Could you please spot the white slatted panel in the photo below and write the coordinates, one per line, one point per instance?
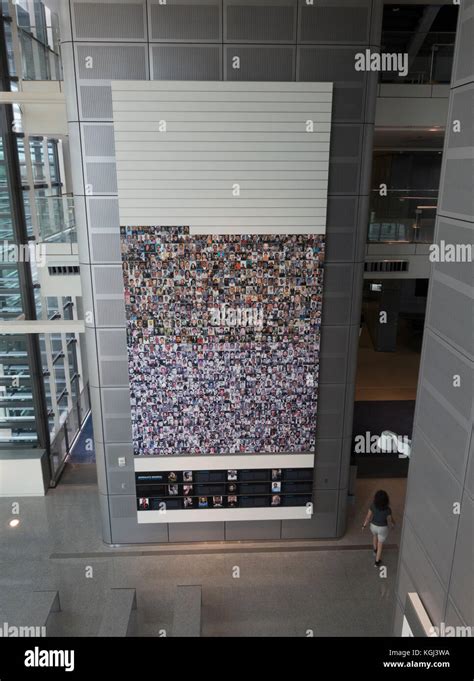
(216, 463)
(219, 134)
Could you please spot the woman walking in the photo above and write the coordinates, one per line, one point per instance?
(379, 516)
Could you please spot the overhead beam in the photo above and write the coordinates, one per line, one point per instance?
(429, 15)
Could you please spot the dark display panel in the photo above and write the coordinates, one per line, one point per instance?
(247, 488)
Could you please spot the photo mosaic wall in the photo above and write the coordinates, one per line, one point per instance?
(223, 340)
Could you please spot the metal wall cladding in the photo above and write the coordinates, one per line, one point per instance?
(103, 213)
(109, 20)
(186, 20)
(334, 22)
(106, 61)
(101, 177)
(98, 140)
(266, 62)
(186, 62)
(95, 101)
(260, 21)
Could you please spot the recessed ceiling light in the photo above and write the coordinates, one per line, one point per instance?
(14, 522)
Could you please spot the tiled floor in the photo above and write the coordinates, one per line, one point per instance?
(284, 588)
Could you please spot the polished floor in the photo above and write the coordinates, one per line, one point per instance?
(293, 588)
(288, 588)
(387, 375)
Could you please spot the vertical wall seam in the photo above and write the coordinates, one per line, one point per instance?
(86, 218)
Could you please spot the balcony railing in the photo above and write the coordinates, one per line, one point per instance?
(37, 29)
(56, 221)
(433, 63)
(39, 61)
(403, 215)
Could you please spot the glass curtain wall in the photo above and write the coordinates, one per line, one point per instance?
(20, 395)
(42, 405)
(17, 413)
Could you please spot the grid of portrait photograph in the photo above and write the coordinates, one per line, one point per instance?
(248, 488)
(201, 387)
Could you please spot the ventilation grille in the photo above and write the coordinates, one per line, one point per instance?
(61, 270)
(386, 266)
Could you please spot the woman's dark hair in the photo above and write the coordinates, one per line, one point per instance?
(381, 500)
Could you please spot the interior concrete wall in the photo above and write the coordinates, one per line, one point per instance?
(436, 556)
(278, 40)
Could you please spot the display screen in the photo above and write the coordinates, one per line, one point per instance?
(223, 342)
(182, 490)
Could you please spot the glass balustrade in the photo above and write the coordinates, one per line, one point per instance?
(403, 215)
(56, 220)
(432, 63)
(38, 38)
